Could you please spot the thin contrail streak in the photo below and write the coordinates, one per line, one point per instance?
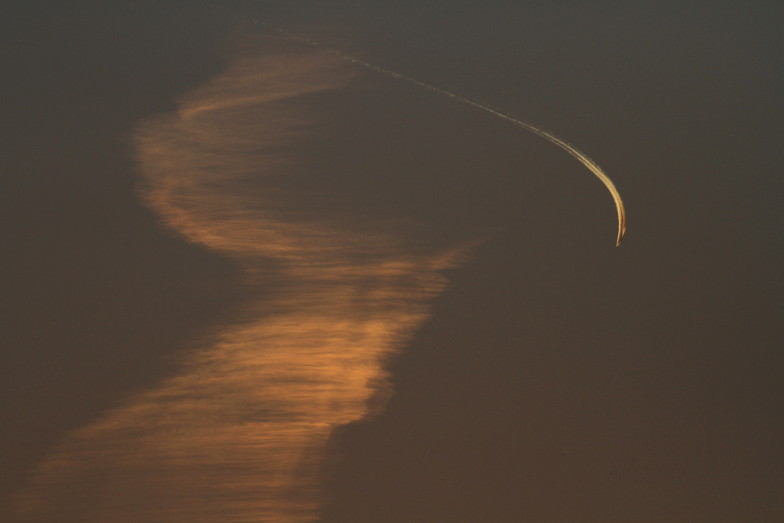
(579, 156)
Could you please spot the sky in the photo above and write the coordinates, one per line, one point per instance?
(257, 270)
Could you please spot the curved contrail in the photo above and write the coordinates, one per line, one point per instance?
(579, 156)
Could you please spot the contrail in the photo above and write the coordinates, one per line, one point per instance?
(579, 156)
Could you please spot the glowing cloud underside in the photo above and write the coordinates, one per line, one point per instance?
(239, 434)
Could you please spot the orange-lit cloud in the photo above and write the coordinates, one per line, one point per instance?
(239, 434)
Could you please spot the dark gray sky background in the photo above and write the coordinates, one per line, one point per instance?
(96, 298)
(557, 378)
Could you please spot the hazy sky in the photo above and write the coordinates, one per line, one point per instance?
(248, 279)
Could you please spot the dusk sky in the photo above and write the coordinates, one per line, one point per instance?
(355, 262)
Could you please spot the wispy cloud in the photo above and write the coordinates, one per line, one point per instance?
(239, 434)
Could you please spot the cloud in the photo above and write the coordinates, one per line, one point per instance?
(239, 434)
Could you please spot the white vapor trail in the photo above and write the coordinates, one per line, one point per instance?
(578, 155)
